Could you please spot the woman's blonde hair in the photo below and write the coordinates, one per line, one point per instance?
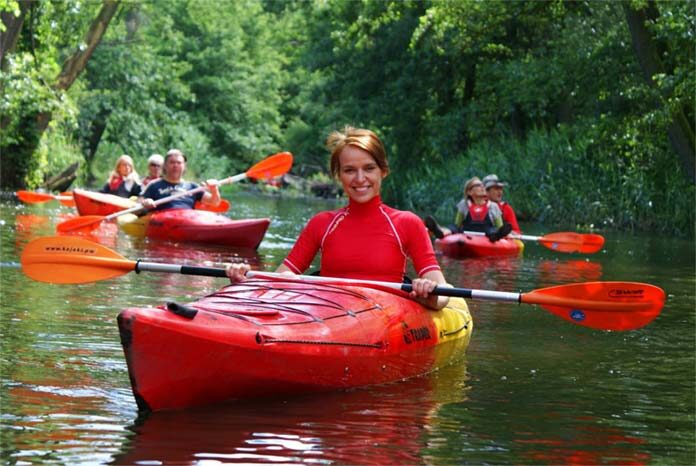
(132, 176)
(358, 137)
(470, 183)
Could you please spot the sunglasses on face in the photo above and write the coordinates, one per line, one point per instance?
(155, 165)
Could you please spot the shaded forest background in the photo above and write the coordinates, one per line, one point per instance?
(585, 107)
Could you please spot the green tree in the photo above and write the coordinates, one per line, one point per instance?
(29, 104)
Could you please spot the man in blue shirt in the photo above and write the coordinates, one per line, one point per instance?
(172, 183)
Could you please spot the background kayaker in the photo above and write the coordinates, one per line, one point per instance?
(123, 180)
(366, 239)
(474, 213)
(172, 182)
(494, 190)
(154, 168)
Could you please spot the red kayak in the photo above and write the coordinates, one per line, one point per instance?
(275, 338)
(197, 225)
(93, 203)
(460, 245)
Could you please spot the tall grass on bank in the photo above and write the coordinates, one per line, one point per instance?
(562, 181)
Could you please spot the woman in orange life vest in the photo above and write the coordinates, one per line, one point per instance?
(494, 190)
(474, 213)
(366, 239)
(123, 180)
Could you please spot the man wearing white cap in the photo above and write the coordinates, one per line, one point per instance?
(494, 190)
(154, 168)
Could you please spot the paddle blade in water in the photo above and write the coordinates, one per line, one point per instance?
(573, 242)
(32, 197)
(66, 198)
(270, 167)
(601, 305)
(222, 207)
(64, 259)
(84, 224)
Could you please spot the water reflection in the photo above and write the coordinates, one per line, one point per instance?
(560, 271)
(382, 425)
(484, 272)
(585, 441)
(31, 226)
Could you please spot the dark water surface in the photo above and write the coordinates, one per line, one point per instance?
(534, 389)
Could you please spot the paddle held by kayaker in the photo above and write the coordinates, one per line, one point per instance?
(172, 182)
(123, 180)
(474, 213)
(154, 168)
(494, 191)
(365, 240)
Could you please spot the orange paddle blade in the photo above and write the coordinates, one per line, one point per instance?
(66, 198)
(270, 167)
(601, 305)
(64, 259)
(222, 207)
(573, 242)
(84, 224)
(32, 197)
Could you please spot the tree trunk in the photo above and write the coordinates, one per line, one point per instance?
(97, 129)
(13, 26)
(680, 132)
(73, 66)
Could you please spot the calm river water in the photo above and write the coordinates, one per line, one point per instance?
(534, 389)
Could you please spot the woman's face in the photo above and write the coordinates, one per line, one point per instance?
(359, 174)
(124, 168)
(154, 169)
(477, 191)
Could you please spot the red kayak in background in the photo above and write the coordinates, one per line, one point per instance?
(461, 245)
(274, 338)
(196, 225)
(94, 203)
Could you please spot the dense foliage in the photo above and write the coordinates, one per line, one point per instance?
(577, 104)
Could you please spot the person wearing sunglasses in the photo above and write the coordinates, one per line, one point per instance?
(154, 168)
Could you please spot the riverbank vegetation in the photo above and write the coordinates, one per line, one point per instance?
(585, 107)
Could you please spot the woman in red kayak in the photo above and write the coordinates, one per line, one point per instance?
(474, 213)
(123, 180)
(366, 239)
